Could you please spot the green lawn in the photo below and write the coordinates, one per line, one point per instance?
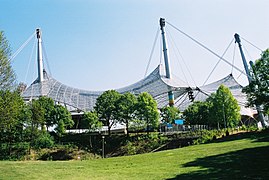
(244, 158)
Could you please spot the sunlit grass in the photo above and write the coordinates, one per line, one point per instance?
(193, 162)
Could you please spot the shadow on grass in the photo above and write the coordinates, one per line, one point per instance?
(252, 163)
(262, 136)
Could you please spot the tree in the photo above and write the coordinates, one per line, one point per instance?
(198, 113)
(147, 111)
(21, 87)
(258, 89)
(37, 120)
(46, 113)
(62, 118)
(105, 108)
(50, 113)
(13, 116)
(126, 109)
(91, 118)
(169, 114)
(225, 110)
(7, 75)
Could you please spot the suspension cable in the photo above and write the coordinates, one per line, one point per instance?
(29, 62)
(152, 50)
(248, 56)
(245, 49)
(211, 51)
(46, 57)
(218, 61)
(161, 52)
(181, 97)
(173, 44)
(21, 47)
(251, 44)
(233, 57)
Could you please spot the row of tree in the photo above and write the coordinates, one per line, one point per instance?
(112, 107)
(21, 122)
(220, 110)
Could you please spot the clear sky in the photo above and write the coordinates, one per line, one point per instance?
(106, 44)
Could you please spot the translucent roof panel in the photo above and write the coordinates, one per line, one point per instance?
(155, 84)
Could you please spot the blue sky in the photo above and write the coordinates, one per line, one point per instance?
(106, 44)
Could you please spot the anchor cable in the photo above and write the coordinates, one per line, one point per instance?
(21, 47)
(211, 51)
(152, 50)
(251, 44)
(46, 57)
(30, 59)
(174, 44)
(218, 62)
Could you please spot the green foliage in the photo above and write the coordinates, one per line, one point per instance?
(14, 151)
(92, 121)
(126, 107)
(45, 112)
(7, 75)
(225, 110)
(129, 148)
(258, 90)
(198, 113)
(208, 135)
(143, 144)
(242, 158)
(38, 115)
(169, 114)
(137, 125)
(64, 152)
(105, 107)
(14, 115)
(62, 118)
(147, 111)
(60, 128)
(220, 110)
(44, 140)
(47, 105)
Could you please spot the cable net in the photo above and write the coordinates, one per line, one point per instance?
(155, 84)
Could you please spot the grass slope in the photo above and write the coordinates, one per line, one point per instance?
(244, 157)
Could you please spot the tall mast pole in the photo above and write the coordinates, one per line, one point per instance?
(39, 55)
(166, 61)
(258, 107)
(238, 41)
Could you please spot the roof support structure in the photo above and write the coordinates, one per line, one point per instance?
(166, 61)
(39, 56)
(258, 107)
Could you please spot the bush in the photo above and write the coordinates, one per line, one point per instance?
(252, 128)
(209, 135)
(64, 152)
(16, 151)
(142, 144)
(44, 140)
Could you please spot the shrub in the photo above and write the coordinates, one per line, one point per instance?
(65, 152)
(142, 144)
(209, 135)
(44, 140)
(16, 151)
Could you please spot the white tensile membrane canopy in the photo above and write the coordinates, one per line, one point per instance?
(155, 84)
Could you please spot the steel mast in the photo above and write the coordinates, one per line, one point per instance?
(39, 56)
(166, 61)
(258, 107)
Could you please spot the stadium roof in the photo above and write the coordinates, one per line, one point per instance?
(155, 84)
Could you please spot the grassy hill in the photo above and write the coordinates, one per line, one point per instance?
(236, 157)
